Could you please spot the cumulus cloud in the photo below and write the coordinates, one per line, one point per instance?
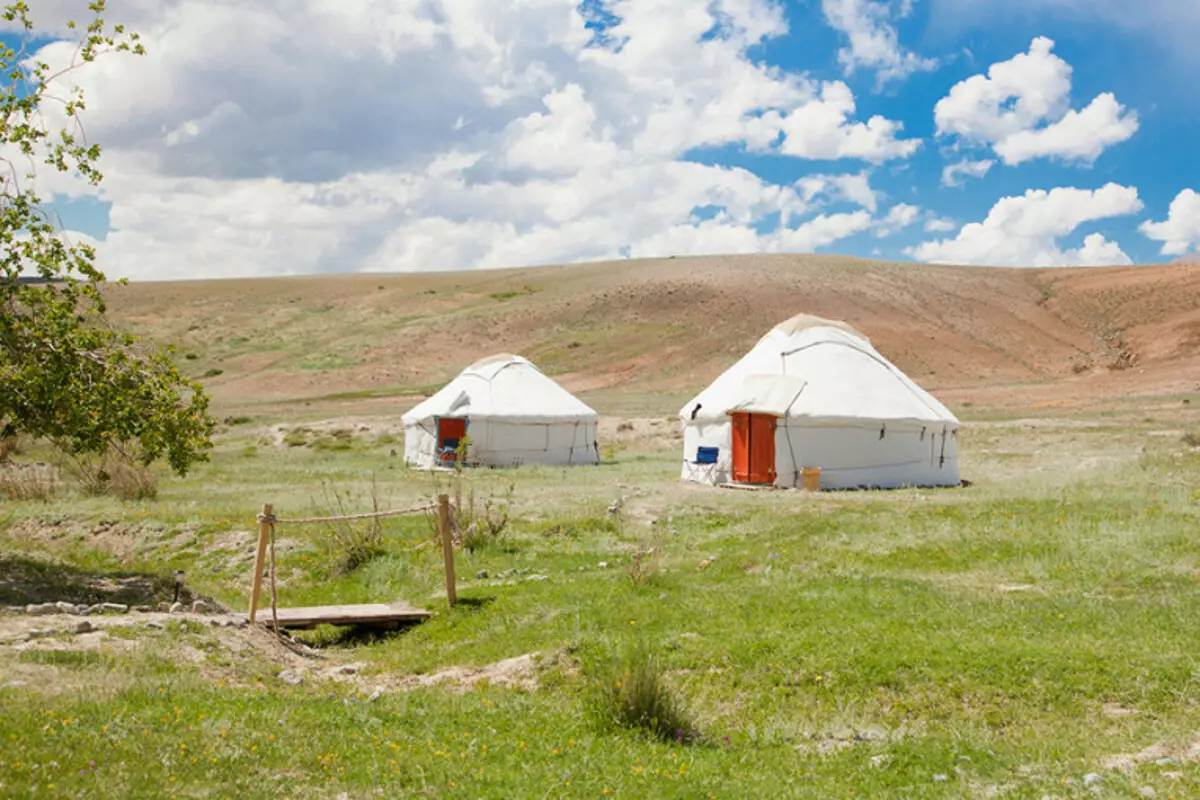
(872, 41)
(299, 136)
(1021, 110)
(952, 173)
(939, 225)
(719, 236)
(899, 217)
(1024, 231)
(851, 187)
(821, 129)
(1180, 231)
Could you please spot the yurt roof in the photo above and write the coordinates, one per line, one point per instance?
(502, 387)
(827, 370)
(802, 322)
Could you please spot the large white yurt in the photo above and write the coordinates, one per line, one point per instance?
(510, 413)
(815, 393)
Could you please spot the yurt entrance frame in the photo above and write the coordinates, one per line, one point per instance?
(450, 431)
(753, 447)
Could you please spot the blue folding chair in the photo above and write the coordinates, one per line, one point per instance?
(705, 464)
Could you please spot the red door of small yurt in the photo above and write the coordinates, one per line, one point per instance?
(450, 431)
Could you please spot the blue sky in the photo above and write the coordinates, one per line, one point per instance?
(470, 134)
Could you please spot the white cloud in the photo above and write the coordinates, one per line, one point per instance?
(939, 225)
(318, 136)
(821, 129)
(852, 187)
(822, 231)
(1021, 109)
(1024, 231)
(1078, 136)
(968, 167)
(718, 236)
(872, 39)
(1180, 231)
(899, 217)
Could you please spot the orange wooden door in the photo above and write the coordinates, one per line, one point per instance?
(450, 432)
(762, 449)
(741, 447)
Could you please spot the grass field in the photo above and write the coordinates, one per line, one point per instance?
(1031, 635)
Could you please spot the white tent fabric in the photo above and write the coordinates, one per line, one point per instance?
(514, 415)
(840, 406)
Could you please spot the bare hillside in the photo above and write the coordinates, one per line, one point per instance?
(1000, 337)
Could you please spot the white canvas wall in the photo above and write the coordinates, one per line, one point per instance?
(850, 453)
(499, 443)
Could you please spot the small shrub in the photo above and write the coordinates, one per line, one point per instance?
(624, 426)
(644, 567)
(117, 475)
(355, 541)
(238, 419)
(637, 696)
(385, 439)
(131, 482)
(1191, 439)
(473, 525)
(573, 528)
(330, 443)
(511, 293)
(28, 482)
(212, 373)
(296, 438)
(191, 356)
(62, 658)
(608, 454)
(10, 446)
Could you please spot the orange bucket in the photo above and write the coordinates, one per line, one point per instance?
(811, 477)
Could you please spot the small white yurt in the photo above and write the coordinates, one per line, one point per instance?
(510, 413)
(815, 393)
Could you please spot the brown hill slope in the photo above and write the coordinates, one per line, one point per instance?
(665, 327)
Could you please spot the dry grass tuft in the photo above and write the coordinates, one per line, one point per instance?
(355, 541)
(28, 482)
(636, 696)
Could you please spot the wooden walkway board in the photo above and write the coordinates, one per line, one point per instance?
(368, 614)
(748, 487)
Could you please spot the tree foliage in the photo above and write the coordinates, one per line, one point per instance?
(65, 374)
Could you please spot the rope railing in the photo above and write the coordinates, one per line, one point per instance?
(370, 515)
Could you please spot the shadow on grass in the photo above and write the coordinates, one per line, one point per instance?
(473, 603)
(351, 635)
(26, 580)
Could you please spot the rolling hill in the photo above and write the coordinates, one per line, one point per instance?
(646, 333)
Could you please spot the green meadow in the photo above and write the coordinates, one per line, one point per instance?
(1031, 635)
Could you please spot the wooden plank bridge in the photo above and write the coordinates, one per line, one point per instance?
(379, 615)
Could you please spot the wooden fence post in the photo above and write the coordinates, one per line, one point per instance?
(447, 546)
(264, 534)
